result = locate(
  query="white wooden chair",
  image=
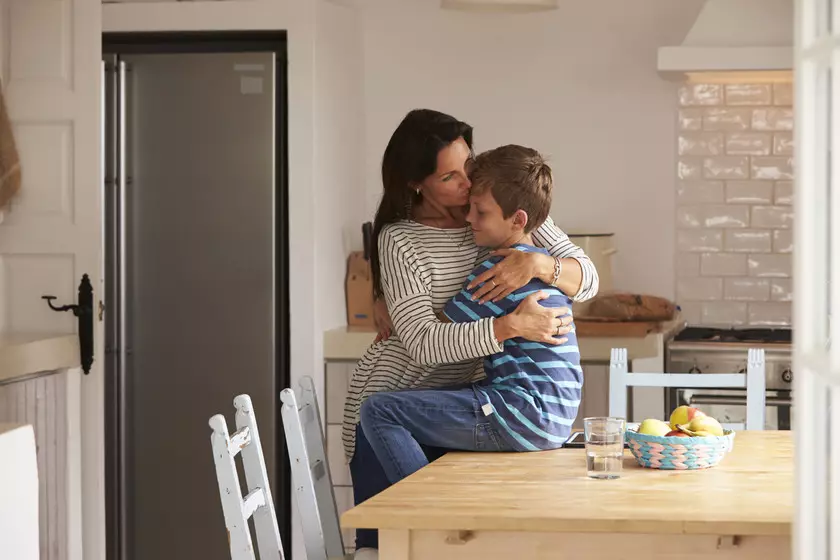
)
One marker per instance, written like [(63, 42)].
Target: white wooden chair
[(311, 474), (753, 381), (258, 502), (313, 489)]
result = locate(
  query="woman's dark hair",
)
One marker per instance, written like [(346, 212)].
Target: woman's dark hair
[(410, 157)]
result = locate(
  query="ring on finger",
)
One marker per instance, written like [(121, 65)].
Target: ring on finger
[(559, 327), (493, 282)]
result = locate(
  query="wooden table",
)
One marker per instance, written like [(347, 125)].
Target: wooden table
[(531, 506)]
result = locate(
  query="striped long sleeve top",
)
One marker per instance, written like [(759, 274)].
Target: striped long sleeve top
[(422, 268)]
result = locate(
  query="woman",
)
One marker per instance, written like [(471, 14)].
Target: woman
[(422, 251)]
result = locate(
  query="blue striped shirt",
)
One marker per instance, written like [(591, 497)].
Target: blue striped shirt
[(532, 390)]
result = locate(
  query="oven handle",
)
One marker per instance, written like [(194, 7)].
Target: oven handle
[(736, 399)]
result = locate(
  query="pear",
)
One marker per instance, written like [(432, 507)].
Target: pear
[(653, 427), (705, 424), (684, 414)]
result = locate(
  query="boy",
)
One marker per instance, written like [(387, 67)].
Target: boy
[(531, 393)]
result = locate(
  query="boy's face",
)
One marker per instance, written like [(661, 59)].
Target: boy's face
[(489, 225)]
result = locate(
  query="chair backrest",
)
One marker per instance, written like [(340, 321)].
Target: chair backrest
[(258, 502), (753, 381), (311, 479)]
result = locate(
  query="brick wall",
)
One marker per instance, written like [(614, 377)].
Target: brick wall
[(734, 196)]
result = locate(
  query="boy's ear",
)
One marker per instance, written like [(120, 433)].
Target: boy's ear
[(520, 219)]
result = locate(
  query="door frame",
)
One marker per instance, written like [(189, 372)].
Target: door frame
[(160, 42)]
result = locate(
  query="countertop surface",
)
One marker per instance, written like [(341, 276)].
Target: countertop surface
[(23, 354), (751, 492), (350, 343)]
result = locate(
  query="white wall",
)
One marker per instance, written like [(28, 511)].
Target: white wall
[(339, 156), (578, 83)]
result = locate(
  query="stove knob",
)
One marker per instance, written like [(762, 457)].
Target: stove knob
[(787, 376), (695, 369)]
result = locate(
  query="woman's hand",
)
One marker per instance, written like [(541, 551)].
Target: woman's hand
[(511, 273), (382, 320), (532, 321)]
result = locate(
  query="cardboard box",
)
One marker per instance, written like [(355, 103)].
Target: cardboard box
[(359, 291)]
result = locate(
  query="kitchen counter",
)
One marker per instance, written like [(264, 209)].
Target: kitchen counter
[(349, 343), (23, 354), (542, 505)]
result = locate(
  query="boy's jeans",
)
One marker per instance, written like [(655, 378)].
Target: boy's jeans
[(397, 424)]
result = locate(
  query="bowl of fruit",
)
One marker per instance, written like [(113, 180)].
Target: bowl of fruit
[(690, 440)]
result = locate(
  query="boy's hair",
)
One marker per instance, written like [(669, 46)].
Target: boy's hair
[(519, 179)]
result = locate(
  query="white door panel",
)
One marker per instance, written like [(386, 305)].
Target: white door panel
[(50, 52)]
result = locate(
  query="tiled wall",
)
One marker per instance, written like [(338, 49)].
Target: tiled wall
[(734, 196)]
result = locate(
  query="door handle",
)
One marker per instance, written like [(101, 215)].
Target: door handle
[(84, 312)]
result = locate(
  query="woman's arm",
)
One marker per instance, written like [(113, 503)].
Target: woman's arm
[(578, 271), (429, 341), (578, 277)]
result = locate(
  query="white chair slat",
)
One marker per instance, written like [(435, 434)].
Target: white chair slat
[(753, 381)]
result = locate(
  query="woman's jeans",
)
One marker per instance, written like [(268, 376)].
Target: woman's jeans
[(403, 431)]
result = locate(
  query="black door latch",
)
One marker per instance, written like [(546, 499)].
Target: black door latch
[(84, 312)]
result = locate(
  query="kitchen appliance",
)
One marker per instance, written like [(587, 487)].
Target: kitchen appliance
[(196, 308), (711, 350)]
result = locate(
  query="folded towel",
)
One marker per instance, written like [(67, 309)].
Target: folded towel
[(10, 175)]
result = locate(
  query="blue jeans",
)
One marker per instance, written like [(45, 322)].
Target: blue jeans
[(399, 424), (369, 480)]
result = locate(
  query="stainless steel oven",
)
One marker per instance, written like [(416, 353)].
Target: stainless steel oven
[(709, 350)]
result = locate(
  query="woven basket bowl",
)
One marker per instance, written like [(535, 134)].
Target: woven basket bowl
[(679, 453)]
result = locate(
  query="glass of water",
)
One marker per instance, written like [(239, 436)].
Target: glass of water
[(604, 446)]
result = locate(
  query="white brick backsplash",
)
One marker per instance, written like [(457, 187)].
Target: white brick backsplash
[(701, 94), (699, 289), (783, 143), (783, 241), (749, 143), (727, 167), (784, 192), (772, 167), (748, 241), (783, 94), (727, 119), (700, 143), (699, 240), (691, 119), (749, 192), (723, 264), (746, 289), (728, 313), (692, 312), (700, 192), (772, 217), (770, 314), (688, 265), (770, 266), (772, 119), (734, 204), (690, 168), (781, 289), (713, 216), (749, 94)]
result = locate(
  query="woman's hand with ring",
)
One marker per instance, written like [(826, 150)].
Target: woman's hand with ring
[(532, 321), (516, 269)]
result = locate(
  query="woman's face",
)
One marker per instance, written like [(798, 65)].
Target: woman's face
[(449, 185)]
